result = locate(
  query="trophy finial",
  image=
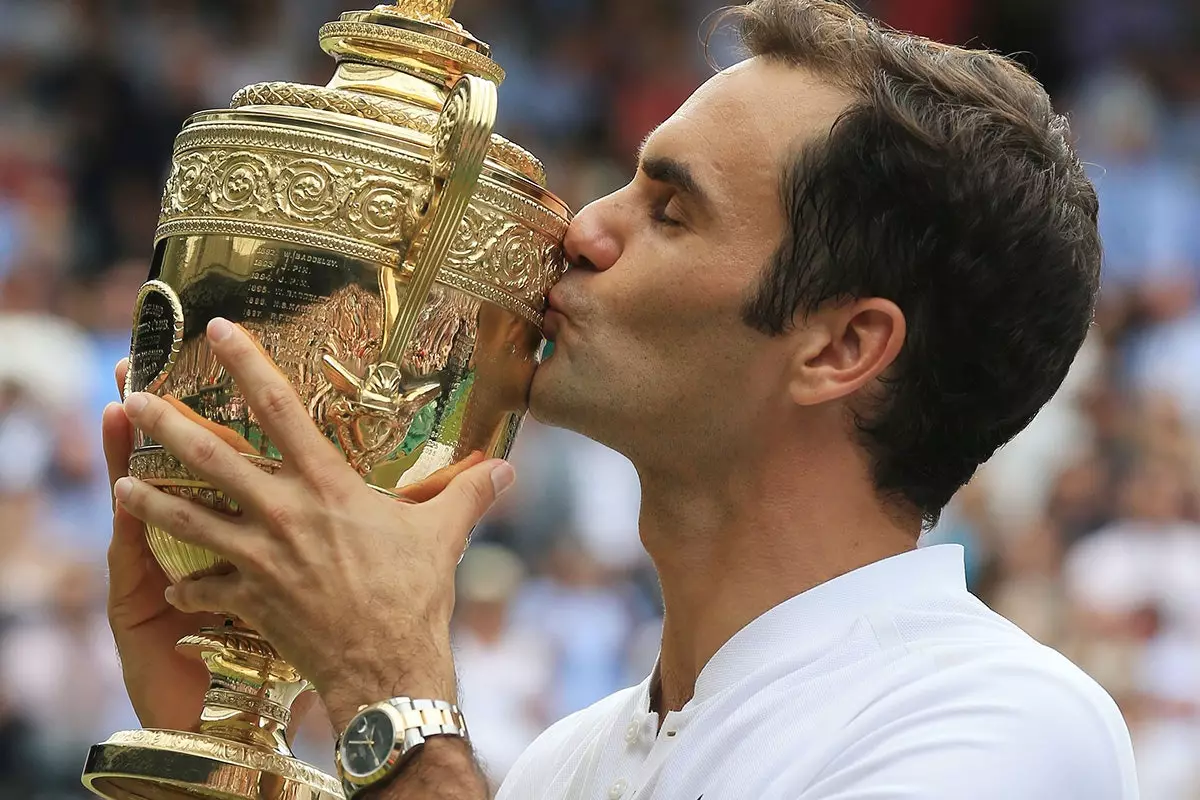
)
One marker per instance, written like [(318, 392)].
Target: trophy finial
[(435, 10)]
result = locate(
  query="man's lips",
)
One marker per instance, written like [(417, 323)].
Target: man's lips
[(554, 316), (552, 319)]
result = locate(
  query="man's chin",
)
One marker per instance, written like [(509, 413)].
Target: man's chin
[(550, 395)]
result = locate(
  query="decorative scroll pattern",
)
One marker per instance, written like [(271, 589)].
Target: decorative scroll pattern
[(211, 134), (505, 253), (280, 188)]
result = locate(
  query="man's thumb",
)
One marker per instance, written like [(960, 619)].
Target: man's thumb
[(468, 497)]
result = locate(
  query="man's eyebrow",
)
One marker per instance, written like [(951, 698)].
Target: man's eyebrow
[(641, 148), (673, 172)]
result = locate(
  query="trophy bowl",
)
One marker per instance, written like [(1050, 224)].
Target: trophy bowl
[(392, 255)]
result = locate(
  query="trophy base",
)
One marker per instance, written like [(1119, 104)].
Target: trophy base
[(176, 765)]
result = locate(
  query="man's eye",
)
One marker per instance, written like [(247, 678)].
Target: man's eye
[(658, 213)]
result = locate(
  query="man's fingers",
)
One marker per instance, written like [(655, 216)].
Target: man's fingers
[(128, 550), (468, 497), (132, 572), (435, 483), (117, 433), (218, 594), (203, 451), (227, 435), (121, 371), (273, 400), (187, 521)]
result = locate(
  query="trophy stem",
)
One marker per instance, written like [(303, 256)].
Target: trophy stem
[(251, 690), (240, 751)]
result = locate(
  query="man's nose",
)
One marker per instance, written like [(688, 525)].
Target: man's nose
[(592, 240)]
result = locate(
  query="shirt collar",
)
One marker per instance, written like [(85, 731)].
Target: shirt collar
[(833, 604)]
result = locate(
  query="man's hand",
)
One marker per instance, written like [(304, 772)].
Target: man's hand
[(165, 687), (354, 588)]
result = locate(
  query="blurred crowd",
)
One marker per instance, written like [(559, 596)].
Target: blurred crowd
[(1085, 530)]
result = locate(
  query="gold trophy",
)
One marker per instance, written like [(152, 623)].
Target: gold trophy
[(393, 256)]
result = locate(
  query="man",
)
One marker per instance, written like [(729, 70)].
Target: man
[(846, 271)]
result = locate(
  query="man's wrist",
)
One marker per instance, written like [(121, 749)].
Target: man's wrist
[(360, 686), (444, 769), (344, 702)]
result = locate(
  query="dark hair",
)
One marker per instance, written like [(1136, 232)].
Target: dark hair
[(951, 188)]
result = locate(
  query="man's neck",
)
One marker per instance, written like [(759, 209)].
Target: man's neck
[(730, 548)]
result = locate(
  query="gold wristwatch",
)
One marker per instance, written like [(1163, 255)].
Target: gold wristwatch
[(383, 737)]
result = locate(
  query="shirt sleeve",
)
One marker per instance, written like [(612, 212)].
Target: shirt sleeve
[(1032, 736)]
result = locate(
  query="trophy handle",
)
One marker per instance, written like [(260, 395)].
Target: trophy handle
[(460, 145)]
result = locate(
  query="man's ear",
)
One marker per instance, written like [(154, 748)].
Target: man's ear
[(841, 348)]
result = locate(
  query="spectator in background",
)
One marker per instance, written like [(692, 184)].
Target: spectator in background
[(503, 667), (29, 555), (589, 613), (1149, 204), (63, 661), (1136, 579), (1029, 589)]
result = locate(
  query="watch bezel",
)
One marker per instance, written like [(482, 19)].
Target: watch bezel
[(397, 753)]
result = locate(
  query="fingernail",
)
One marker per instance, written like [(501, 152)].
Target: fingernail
[(123, 488), (135, 403), (219, 329), (503, 476)]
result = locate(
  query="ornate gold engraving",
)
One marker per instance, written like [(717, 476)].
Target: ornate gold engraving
[(222, 750), (506, 254), (248, 704), (435, 10), (333, 32), (232, 640), (220, 134), (273, 187), (379, 109)]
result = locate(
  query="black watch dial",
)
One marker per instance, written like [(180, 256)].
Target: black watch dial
[(368, 743)]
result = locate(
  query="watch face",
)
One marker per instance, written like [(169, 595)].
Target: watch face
[(368, 743)]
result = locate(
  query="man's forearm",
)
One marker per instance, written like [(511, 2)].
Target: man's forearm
[(445, 769)]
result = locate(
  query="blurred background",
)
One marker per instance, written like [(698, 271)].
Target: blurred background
[(1085, 530)]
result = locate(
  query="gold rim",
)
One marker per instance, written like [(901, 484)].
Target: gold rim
[(155, 761)]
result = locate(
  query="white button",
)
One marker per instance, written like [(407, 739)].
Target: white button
[(617, 789), (632, 732)]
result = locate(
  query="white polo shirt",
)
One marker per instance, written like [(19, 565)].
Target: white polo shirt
[(891, 682)]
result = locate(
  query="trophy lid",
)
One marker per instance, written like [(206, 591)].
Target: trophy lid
[(416, 37), (395, 65)]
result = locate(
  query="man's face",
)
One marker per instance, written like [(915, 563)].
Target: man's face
[(651, 350)]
